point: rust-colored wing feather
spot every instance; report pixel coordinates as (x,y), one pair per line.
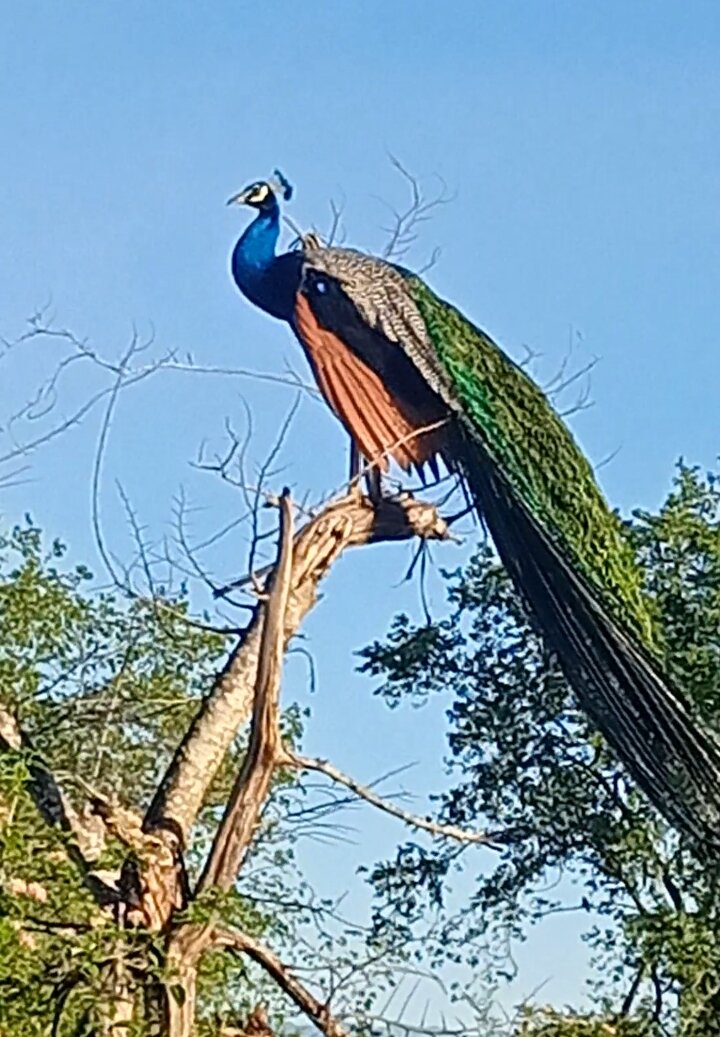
(381,425)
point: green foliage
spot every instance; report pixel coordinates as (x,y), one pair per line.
(126,675)
(524,762)
(105,688)
(546,1022)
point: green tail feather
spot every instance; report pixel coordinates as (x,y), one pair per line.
(565,553)
(539,457)
(617,682)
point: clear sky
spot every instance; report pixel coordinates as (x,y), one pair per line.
(583,143)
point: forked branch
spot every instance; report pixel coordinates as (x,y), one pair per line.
(315,1010)
(351,521)
(291,588)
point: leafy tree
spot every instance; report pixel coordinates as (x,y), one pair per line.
(103,686)
(147,875)
(523,761)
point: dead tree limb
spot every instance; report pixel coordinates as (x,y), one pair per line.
(252,785)
(351,521)
(188,942)
(460,835)
(315,1010)
(301,563)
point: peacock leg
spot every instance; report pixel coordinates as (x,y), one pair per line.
(373,482)
(373,475)
(354,462)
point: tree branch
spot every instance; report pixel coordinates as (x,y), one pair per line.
(434,827)
(87,831)
(252,785)
(281,973)
(251,679)
(351,521)
(89,827)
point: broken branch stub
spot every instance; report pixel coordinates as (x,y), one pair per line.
(252,784)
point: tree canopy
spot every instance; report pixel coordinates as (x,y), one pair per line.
(523,761)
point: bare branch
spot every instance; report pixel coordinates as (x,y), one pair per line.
(403,231)
(336,233)
(262,475)
(47,398)
(461,835)
(250,791)
(351,521)
(562,380)
(282,974)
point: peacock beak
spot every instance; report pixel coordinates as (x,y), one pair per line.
(239,199)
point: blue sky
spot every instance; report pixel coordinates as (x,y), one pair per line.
(583,144)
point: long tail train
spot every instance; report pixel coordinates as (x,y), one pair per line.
(645,721)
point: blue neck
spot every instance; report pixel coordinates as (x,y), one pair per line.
(269,281)
(254,253)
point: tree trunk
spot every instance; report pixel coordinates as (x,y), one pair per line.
(117,1011)
(185,948)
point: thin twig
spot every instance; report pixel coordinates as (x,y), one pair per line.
(352,520)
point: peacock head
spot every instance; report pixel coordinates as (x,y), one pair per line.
(262,194)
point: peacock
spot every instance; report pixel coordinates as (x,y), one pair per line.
(413,380)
